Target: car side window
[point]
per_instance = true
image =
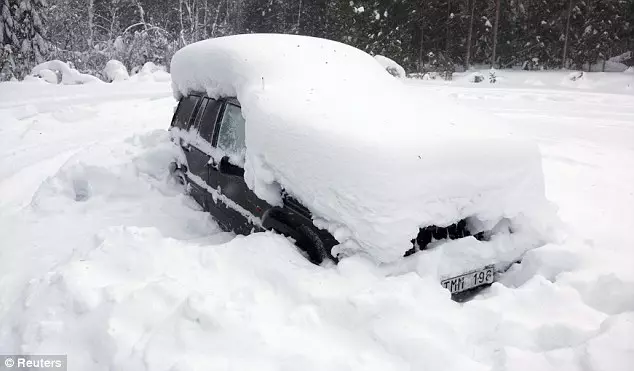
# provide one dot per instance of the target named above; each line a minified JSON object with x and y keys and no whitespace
{"x":231,"y":134}
{"x":184,"y":112}
{"x":208,"y":118}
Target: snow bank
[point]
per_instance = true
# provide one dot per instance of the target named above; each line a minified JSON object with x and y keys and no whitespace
{"x":139,"y":301}
{"x":609,"y":66}
{"x":614,"y":64}
{"x":136,"y":300}
{"x":390,"y":66}
{"x":372,"y":161}
{"x":70,"y":76}
{"x":115,"y":71}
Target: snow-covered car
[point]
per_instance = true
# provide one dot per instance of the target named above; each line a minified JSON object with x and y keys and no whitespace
{"x":312,"y":139}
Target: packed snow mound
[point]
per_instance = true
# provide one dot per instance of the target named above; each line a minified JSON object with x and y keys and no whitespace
{"x":70,"y":76}
{"x":49,"y":76}
{"x":115,"y":71}
{"x":390,"y":66}
{"x":371,"y":160}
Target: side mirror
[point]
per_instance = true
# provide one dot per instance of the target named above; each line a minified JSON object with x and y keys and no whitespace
{"x":226,"y":167}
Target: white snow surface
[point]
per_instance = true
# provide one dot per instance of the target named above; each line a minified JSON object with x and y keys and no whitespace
{"x":371,"y":159}
{"x":103,"y":259}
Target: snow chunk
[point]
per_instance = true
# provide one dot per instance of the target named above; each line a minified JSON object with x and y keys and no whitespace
{"x":575,"y":76}
{"x":115,"y":71}
{"x":356,"y":146}
{"x":151,"y":67}
{"x":70,"y":76}
{"x":150,"y":72}
{"x":474,"y":77}
{"x":390,"y":66}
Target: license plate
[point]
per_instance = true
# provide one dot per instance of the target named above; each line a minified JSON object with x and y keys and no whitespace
{"x":469,"y":280}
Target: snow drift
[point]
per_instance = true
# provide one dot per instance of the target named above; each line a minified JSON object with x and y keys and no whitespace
{"x":373,"y":163}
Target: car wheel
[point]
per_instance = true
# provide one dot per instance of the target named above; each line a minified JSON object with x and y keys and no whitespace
{"x":178,"y":176}
{"x":310,"y":243}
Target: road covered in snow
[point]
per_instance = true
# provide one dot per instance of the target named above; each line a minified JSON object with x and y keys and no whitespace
{"x":103,"y":259}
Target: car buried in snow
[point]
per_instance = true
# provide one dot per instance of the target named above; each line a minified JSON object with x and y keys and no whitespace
{"x":312,"y":139}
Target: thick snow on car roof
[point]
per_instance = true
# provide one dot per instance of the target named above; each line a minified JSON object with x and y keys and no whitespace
{"x":370,"y":159}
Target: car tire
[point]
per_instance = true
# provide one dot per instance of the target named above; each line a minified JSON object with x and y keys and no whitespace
{"x":177,"y":175}
{"x":311,"y":244}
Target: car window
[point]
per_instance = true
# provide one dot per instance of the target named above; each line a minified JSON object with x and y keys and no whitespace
{"x":199,"y":112}
{"x":231,"y":135}
{"x":184,"y":112}
{"x":208,"y":118}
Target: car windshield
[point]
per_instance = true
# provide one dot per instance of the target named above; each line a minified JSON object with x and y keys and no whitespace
{"x":231,"y":136}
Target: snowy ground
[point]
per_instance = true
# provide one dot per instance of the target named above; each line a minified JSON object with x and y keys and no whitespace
{"x":102,"y":259}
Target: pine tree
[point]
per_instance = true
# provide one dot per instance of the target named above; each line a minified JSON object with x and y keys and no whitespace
{"x":604,"y":25}
{"x":8,"y":41}
{"x":23,"y":44}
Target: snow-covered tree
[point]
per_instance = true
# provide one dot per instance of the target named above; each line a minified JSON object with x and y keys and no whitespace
{"x":424,"y":35}
{"x":22,"y":36}
{"x":600,"y":29}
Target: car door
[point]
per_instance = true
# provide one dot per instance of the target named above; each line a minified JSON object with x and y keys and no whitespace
{"x":188,"y":123}
{"x":200,"y":150}
{"x":241,"y":207}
